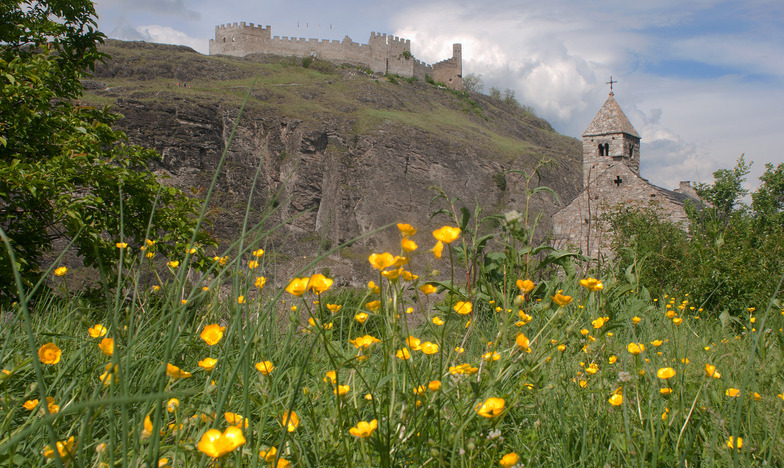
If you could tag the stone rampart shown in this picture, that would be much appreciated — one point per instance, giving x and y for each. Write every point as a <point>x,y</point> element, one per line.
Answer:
<point>382,54</point>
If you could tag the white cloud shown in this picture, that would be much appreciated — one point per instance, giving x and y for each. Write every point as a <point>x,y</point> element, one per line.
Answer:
<point>168,35</point>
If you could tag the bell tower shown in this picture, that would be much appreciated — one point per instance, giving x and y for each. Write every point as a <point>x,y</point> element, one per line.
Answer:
<point>610,138</point>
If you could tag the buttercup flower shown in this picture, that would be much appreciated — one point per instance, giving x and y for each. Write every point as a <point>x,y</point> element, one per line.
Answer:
<point>635,348</point>
<point>491,356</point>
<point>172,405</point>
<point>732,392</point>
<point>599,323</point>
<point>241,300</point>
<point>463,369</point>
<point>364,429</point>
<point>438,321</point>
<point>381,261</point>
<point>665,373</point>
<point>561,300</point>
<point>334,308</point>
<point>364,342</point>
<point>236,420</point>
<point>591,284</point>
<point>260,282</point>
<point>208,363</point>
<point>522,342</point>
<point>509,460</point>
<point>463,308</point>
<point>636,320</point>
<point>319,283</point>
<point>49,353</point>
<point>525,286</point>
<point>408,245</point>
<point>258,253</point>
<point>30,405</point>
<point>429,348</point>
<point>173,264</point>
<point>253,264</point>
<point>265,367</point>
<point>735,443</point>
<point>490,408</point>
<point>215,445</point>
<point>60,271</point>
<point>438,249</point>
<point>97,331</point>
<point>710,371</point>
<point>414,343</point>
<point>121,245</point>
<point>51,406</point>
<point>373,288</point>
<point>341,390</point>
<point>291,421</point>
<point>434,385</point>
<point>269,455</point>
<point>403,354</point>
<point>406,229</point>
<point>616,399</point>
<point>447,234</point>
<point>428,289</point>
<point>176,373</point>
<point>361,317</point>
<point>64,449</point>
<point>373,305</point>
<point>106,346</point>
<point>212,334</point>
<point>298,286</point>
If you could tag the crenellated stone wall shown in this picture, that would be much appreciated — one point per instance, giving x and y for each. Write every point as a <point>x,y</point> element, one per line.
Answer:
<point>382,54</point>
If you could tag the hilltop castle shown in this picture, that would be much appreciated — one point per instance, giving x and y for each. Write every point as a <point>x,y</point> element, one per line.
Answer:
<point>611,177</point>
<point>382,54</point>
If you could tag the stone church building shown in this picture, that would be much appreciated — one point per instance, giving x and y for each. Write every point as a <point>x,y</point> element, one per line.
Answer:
<point>611,176</point>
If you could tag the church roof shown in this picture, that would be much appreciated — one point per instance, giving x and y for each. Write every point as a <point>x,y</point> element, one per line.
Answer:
<point>610,119</point>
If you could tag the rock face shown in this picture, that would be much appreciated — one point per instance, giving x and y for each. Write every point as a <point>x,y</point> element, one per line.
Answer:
<point>337,153</point>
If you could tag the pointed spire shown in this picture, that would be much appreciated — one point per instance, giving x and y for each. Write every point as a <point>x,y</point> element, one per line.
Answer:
<point>609,120</point>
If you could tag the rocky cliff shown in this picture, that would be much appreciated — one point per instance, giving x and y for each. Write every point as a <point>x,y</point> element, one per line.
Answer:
<point>339,152</point>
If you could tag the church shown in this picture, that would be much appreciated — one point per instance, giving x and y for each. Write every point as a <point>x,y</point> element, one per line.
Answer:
<point>611,177</point>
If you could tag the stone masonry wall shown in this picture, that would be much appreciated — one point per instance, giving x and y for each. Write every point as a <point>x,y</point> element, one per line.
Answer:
<point>382,53</point>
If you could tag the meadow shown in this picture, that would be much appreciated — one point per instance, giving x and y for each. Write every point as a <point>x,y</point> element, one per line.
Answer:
<point>508,365</point>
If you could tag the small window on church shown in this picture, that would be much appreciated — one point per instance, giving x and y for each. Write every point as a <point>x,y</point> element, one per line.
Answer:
<point>601,150</point>
<point>631,151</point>
<point>224,39</point>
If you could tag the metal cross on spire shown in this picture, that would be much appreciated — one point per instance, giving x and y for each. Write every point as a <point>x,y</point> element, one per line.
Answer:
<point>611,82</point>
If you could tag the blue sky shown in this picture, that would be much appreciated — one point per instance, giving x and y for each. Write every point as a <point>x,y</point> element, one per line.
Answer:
<point>701,80</point>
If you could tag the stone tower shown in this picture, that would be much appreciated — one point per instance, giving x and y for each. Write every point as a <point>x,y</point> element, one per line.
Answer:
<point>609,138</point>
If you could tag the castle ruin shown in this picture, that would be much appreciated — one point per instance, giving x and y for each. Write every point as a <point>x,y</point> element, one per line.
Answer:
<point>382,54</point>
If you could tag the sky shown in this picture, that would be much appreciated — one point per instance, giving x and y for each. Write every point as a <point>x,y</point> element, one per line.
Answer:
<point>702,81</point>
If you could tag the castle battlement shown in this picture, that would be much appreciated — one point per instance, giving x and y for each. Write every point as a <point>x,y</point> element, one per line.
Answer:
<point>383,53</point>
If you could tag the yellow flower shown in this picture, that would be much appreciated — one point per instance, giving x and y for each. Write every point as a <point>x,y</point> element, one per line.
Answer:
<point>108,375</point>
<point>253,264</point>
<point>381,261</point>
<point>212,334</point>
<point>121,245</point>
<point>429,348</point>
<point>525,285</point>
<point>591,284</point>
<point>49,353</point>
<point>361,317</point>
<point>107,346</point>
<point>408,245</point>
<point>237,420</point>
<point>665,373</point>
<point>373,305</point>
<point>710,371</point>
<point>60,271</point>
<point>319,283</point>
<point>592,368</point>
<point>656,343</point>
<point>509,460</point>
<point>406,230</point>
<point>491,356</point>
<point>258,253</point>
<point>172,405</point>
<point>428,289</point>
<point>561,300</point>
<point>613,359</point>
<point>522,342</point>
<point>373,288</point>
<point>290,421</point>
<point>51,406</point>
<point>176,373</point>
<point>665,391</point>
<point>434,385</point>
<point>364,342</point>
<point>265,367</point>
<point>97,331</point>
<point>64,449</point>
<point>341,390</point>
<point>269,455</point>
<point>490,408</point>
<point>241,300</point>
<point>403,354</point>
<point>636,320</point>
<point>174,264</point>
<point>463,308</point>
<point>437,321</point>
<point>561,347</point>
<point>733,443</point>
<point>30,405</point>
<point>463,369</point>
<point>447,234</point>
<point>260,282</point>
<point>208,363</point>
<point>364,429</point>
<point>392,274</point>
<point>732,392</point>
<point>438,249</point>
<point>677,320</point>
<point>334,308</point>
<point>756,396</point>
<point>215,445</point>
<point>599,323</point>
<point>298,286</point>
<point>635,348</point>
<point>616,399</point>
<point>414,343</point>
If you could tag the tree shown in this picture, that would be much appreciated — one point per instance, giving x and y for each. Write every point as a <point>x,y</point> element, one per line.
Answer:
<point>727,189</point>
<point>64,172</point>
<point>473,83</point>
